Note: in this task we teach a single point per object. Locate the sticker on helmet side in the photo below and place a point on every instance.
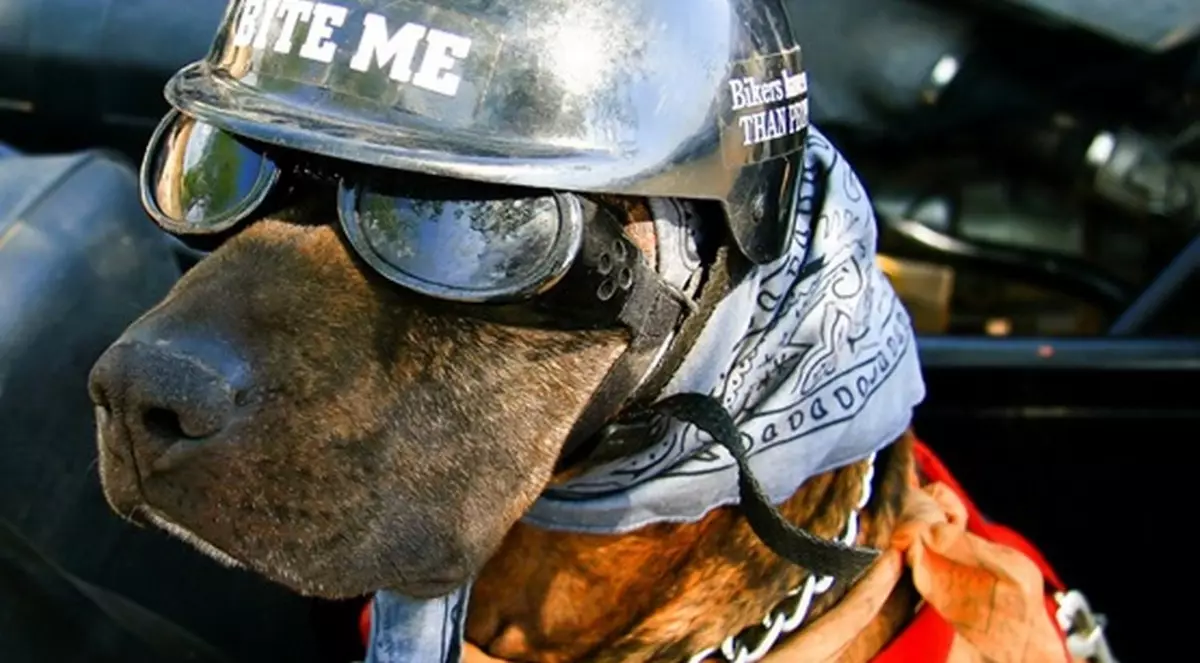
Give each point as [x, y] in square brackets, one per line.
[765, 108]
[394, 53]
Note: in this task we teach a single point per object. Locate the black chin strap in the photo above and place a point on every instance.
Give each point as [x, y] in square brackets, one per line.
[798, 546]
[643, 304]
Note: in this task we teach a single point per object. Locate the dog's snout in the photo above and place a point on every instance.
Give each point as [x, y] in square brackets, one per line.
[160, 399]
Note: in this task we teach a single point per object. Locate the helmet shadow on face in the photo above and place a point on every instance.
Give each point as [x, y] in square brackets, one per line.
[308, 419]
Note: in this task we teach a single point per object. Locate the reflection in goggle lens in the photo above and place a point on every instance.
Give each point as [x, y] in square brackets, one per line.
[478, 249]
[201, 179]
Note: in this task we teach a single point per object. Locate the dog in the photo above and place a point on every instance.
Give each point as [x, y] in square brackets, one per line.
[287, 410]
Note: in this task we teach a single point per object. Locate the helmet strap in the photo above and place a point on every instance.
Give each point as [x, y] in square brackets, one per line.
[599, 435]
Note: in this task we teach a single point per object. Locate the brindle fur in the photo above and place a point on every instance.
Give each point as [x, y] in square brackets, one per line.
[667, 591]
[380, 441]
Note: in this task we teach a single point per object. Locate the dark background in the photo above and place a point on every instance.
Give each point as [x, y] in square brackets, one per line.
[1096, 468]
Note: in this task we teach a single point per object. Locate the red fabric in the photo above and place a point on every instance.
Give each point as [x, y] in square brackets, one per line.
[929, 637]
[364, 623]
[932, 468]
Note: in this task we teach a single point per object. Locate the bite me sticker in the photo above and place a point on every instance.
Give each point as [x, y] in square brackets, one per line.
[765, 108]
[423, 59]
[412, 52]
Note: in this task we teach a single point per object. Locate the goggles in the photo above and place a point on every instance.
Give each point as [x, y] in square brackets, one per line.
[452, 240]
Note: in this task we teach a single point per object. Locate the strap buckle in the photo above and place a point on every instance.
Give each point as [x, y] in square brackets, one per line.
[1083, 627]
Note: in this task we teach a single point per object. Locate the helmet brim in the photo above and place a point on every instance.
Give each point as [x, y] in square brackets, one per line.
[404, 143]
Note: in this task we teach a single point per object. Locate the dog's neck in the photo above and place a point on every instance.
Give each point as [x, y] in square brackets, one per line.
[668, 591]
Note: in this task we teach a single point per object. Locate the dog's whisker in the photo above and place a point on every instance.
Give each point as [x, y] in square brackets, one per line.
[130, 516]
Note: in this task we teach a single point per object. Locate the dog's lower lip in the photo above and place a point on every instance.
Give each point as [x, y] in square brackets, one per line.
[161, 520]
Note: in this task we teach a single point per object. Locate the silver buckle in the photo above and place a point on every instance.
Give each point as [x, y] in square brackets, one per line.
[1084, 628]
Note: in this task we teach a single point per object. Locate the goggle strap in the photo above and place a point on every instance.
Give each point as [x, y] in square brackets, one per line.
[621, 435]
[652, 313]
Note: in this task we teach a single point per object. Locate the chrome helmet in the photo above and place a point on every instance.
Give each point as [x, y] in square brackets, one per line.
[694, 99]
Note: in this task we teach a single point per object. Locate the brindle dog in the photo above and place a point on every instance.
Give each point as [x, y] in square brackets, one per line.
[288, 410]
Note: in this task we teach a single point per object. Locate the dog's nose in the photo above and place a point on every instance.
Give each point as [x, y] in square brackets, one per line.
[161, 397]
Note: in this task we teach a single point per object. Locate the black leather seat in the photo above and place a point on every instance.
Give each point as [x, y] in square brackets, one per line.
[77, 75]
[79, 261]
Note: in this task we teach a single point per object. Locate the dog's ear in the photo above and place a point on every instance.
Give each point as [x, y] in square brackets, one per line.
[377, 440]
